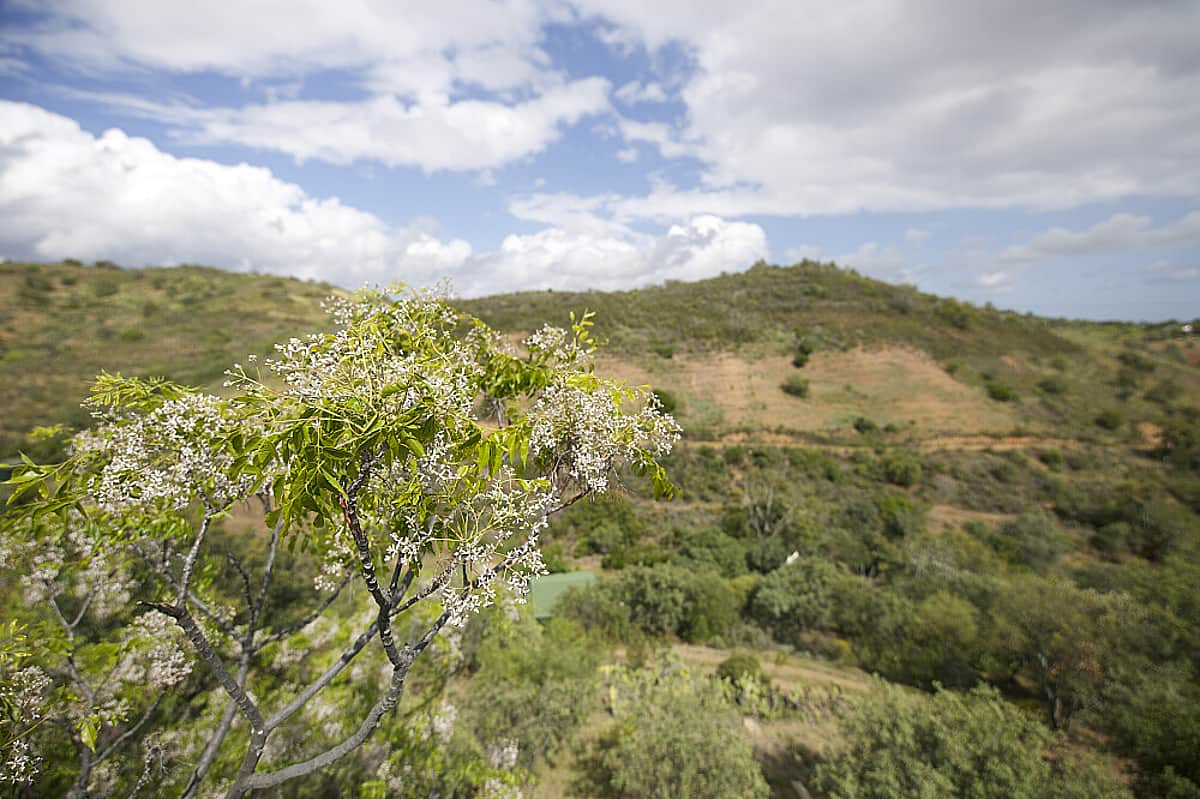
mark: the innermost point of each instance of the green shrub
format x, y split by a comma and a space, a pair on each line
740, 667
865, 426
804, 350
1109, 419
903, 744
673, 734
901, 468
1051, 457
1052, 385
1165, 392
1001, 392
105, 287
796, 386
1136, 361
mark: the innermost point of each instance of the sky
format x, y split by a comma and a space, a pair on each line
1041, 155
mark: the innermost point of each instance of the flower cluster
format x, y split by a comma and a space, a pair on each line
163, 657
169, 456
579, 427
23, 696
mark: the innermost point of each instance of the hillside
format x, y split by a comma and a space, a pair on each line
875, 481
922, 367
61, 324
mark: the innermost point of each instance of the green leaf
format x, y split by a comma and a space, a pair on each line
89, 729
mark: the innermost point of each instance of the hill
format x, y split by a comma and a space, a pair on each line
61, 324
920, 366
874, 480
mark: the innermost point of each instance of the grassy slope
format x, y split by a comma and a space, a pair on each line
721, 346
60, 325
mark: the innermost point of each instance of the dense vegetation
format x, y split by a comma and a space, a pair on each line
1028, 596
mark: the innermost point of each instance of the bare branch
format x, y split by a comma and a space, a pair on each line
355, 740
209, 755
236, 563
161, 570
330, 673
189, 562
209, 655
260, 600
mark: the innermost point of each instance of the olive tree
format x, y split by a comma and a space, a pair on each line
413, 452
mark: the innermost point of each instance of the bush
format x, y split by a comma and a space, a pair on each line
796, 386
666, 400
741, 667
1109, 419
1031, 538
968, 745
901, 468
673, 735
1051, 457
797, 598
668, 600
865, 426
804, 350
1001, 392
1052, 385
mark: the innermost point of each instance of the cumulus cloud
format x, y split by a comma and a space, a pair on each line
463, 85
67, 193
562, 259
884, 106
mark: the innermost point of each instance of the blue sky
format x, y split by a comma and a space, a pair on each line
1042, 156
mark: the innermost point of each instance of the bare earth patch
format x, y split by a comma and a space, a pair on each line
950, 517
894, 385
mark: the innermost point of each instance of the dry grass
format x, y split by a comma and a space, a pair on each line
894, 385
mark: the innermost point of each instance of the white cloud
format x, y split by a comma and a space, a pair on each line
399, 48
562, 259
66, 193
635, 92
1120, 232
875, 105
433, 133
462, 85
994, 280
627, 155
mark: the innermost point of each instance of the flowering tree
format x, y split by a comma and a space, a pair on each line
413, 453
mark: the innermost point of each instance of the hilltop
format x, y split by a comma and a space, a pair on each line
875, 356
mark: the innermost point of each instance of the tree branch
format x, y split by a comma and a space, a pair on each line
200, 604
355, 740
129, 733
213, 661
330, 673
189, 562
